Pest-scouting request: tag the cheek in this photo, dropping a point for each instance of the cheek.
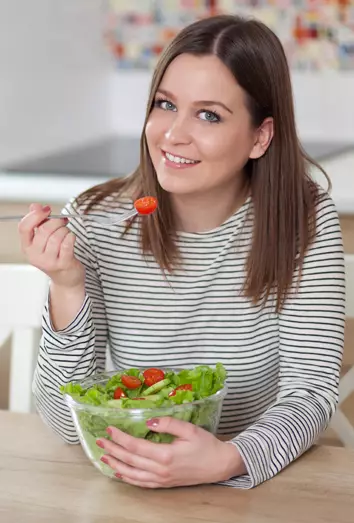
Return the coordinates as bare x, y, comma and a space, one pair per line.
226, 146
157, 125
150, 131
153, 135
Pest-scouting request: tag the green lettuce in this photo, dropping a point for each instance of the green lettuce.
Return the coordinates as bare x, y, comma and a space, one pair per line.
205, 382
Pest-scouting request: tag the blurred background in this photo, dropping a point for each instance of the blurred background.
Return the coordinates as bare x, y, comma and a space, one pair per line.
74, 78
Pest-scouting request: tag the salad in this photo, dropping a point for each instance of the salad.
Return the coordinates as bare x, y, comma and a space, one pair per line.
127, 399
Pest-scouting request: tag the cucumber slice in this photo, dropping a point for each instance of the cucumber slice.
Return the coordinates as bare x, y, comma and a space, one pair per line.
153, 397
156, 387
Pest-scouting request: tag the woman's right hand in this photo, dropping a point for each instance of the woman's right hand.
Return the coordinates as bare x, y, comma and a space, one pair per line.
49, 246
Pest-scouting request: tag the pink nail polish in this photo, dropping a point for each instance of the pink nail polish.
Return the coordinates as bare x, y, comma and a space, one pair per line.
104, 459
46, 208
153, 422
109, 431
117, 475
100, 443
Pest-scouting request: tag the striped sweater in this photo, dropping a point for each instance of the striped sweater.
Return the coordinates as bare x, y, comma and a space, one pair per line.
283, 369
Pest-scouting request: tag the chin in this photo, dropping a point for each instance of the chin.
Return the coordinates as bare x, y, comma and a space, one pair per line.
176, 186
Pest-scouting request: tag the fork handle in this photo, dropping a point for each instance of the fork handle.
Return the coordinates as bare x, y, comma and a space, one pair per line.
51, 216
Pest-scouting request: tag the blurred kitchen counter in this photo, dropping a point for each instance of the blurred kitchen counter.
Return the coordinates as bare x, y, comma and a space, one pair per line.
56, 178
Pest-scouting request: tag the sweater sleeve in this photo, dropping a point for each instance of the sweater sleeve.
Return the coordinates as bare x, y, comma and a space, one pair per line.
77, 351
311, 340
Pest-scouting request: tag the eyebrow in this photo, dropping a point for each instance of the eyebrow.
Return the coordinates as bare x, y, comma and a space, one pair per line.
199, 102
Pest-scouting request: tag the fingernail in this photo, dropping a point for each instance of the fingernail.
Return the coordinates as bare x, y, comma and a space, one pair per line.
109, 431
153, 422
104, 459
100, 443
117, 475
46, 208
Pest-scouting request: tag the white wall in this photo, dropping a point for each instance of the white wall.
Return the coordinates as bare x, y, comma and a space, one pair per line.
128, 92
324, 104
60, 88
54, 75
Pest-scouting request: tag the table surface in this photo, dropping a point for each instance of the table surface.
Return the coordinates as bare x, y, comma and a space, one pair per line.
44, 480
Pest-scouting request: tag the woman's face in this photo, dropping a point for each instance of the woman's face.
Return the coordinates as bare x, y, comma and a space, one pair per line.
199, 132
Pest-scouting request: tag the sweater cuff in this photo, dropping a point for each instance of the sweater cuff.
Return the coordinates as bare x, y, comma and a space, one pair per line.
252, 457
75, 328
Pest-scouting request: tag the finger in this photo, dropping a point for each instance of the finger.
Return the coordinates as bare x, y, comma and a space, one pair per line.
54, 243
160, 452
175, 427
32, 220
36, 207
66, 254
45, 231
141, 484
129, 474
128, 458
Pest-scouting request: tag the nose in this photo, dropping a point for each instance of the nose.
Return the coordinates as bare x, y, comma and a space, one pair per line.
178, 132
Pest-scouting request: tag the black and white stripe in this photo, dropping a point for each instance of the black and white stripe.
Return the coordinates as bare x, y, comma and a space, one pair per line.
283, 369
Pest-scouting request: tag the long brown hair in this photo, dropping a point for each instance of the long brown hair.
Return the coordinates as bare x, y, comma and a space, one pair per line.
283, 194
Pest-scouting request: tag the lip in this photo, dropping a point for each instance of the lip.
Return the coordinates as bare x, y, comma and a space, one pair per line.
174, 165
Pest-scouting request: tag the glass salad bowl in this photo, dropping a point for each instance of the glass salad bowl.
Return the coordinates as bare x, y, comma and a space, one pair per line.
126, 399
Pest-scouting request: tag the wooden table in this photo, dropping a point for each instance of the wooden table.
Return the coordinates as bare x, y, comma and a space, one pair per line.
43, 480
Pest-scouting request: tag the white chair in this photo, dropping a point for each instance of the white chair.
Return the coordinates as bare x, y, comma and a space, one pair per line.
23, 291
340, 423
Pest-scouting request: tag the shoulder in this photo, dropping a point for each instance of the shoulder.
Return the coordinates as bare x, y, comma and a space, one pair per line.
326, 212
327, 242
325, 208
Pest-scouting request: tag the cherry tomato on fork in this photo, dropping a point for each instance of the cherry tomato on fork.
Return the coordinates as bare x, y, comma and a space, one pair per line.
152, 376
146, 205
187, 386
131, 382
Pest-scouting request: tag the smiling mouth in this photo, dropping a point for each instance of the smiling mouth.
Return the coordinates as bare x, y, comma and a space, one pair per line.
178, 160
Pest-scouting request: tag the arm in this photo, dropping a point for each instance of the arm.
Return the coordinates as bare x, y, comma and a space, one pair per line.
311, 339
76, 351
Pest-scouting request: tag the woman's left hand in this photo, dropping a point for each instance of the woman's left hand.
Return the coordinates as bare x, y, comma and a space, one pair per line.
193, 458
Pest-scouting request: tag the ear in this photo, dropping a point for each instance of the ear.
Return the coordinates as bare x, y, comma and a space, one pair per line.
264, 136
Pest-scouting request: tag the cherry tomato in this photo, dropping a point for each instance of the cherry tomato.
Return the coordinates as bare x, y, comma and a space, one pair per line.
119, 393
131, 382
187, 386
153, 376
146, 205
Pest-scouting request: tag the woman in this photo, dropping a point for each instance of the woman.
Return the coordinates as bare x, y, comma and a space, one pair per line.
242, 263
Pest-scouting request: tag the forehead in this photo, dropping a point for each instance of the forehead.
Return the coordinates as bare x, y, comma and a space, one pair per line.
201, 78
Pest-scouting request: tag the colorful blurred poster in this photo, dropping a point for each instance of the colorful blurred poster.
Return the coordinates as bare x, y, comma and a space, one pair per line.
316, 34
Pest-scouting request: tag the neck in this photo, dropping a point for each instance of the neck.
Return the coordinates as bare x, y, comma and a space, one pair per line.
206, 211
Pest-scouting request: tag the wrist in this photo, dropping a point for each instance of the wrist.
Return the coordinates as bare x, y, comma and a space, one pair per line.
67, 291
64, 304
232, 463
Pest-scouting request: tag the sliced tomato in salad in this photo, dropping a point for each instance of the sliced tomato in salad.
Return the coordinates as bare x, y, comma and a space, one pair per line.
119, 393
187, 386
131, 382
152, 376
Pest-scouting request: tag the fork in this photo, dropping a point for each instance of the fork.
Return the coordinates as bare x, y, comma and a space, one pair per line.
103, 220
